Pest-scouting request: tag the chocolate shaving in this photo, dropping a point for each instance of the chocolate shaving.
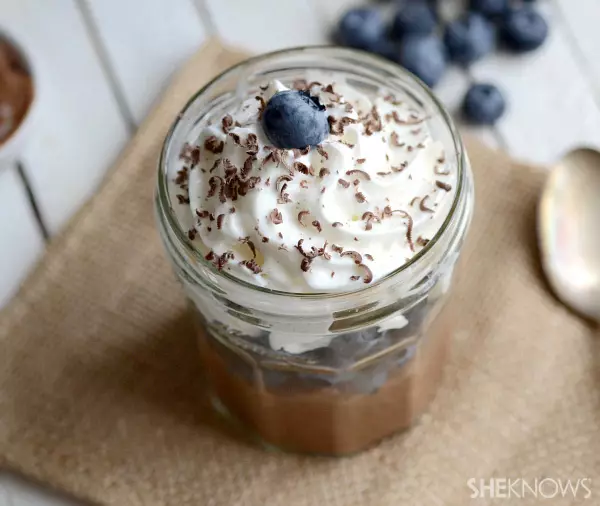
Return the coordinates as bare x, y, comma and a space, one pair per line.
232, 210
324, 172
236, 138
190, 154
329, 88
227, 123
384, 173
300, 167
247, 168
305, 264
422, 241
369, 257
344, 183
372, 122
304, 183
357, 171
416, 131
410, 149
182, 199
360, 197
415, 120
284, 177
261, 107
423, 207
192, 233
251, 144
395, 138
360, 161
322, 152
220, 220
301, 215
182, 176
421, 145
356, 256
280, 234
368, 276
247, 241
443, 186
336, 224
337, 249
317, 225
336, 126
370, 217
202, 214
219, 262
252, 266
216, 165
356, 182
230, 170
403, 166
276, 217
354, 278
412, 202
409, 227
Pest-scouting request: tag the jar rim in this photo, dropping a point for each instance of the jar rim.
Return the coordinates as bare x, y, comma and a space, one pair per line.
164, 201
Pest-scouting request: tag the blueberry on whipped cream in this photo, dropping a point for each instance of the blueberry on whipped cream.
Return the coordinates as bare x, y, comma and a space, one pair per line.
324, 187
294, 119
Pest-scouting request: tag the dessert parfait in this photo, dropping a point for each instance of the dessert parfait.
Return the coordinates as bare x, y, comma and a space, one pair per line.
313, 203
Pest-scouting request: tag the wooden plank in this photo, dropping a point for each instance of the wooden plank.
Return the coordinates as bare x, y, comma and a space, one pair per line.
552, 108
267, 25
79, 129
21, 239
145, 42
581, 21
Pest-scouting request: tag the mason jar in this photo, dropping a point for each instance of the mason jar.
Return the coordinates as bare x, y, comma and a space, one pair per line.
368, 361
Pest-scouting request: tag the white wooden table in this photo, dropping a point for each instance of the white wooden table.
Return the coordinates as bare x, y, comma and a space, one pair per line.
104, 62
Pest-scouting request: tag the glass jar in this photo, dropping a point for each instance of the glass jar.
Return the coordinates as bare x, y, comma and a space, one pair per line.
373, 356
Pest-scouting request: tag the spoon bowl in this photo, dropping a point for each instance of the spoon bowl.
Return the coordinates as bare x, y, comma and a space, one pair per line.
569, 231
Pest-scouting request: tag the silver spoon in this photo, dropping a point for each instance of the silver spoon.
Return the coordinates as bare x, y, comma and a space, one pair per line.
569, 231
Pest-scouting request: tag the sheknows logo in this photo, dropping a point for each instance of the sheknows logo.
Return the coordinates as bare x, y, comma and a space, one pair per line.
519, 488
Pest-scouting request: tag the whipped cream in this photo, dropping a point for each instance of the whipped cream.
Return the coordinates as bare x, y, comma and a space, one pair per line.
336, 217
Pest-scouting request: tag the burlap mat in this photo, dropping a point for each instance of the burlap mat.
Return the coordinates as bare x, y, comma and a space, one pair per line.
100, 390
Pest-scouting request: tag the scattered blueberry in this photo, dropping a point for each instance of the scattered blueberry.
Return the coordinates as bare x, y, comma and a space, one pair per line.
385, 48
294, 119
484, 104
524, 29
361, 28
489, 8
424, 56
469, 38
415, 16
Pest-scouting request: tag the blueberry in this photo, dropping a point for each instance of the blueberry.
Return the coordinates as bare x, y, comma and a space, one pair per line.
294, 119
415, 16
385, 48
424, 56
524, 29
484, 104
470, 38
361, 28
489, 8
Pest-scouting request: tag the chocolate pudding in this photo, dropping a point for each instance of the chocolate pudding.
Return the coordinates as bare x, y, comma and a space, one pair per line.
16, 90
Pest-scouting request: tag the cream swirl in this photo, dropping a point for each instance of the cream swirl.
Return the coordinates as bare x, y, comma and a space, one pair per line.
328, 219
